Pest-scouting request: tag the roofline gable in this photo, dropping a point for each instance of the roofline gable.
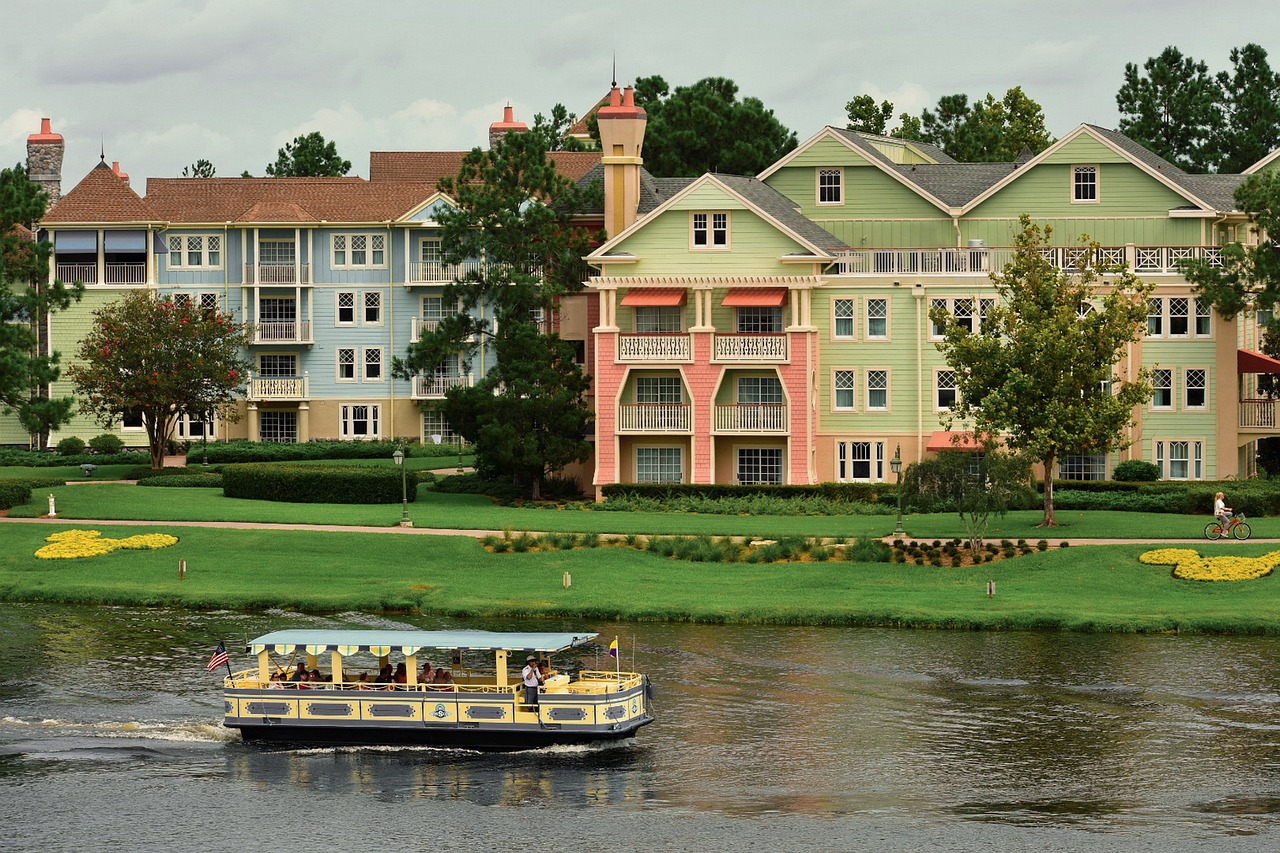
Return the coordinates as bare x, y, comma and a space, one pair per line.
1263, 163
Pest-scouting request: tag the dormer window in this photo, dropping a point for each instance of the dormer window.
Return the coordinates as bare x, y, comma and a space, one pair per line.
1084, 184
830, 186
710, 230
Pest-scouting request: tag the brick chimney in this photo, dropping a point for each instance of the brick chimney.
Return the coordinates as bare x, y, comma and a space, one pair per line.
44, 160
622, 125
120, 173
499, 129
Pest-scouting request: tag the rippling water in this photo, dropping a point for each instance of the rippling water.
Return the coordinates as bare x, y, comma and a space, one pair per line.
767, 739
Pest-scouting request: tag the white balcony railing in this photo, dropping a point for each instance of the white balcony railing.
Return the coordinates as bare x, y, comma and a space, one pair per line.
126, 274
279, 388
419, 326
277, 273
436, 271
752, 417
1165, 259
1258, 414
749, 347
426, 387
655, 347
982, 260
654, 417
87, 273
289, 332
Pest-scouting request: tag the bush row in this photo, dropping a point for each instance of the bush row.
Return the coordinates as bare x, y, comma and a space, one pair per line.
255, 451
17, 491
184, 481
44, 459
146, 472
314, 484
838, 492
750, 504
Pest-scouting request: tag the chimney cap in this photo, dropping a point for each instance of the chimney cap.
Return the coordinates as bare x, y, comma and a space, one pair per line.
508, 122
46, 134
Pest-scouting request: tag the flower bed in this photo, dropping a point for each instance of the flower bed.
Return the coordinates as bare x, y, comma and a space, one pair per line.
1188, 564
73, 544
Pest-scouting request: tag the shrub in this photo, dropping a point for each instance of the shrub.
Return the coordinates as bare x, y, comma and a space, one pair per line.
71, 446
106, 443
14, 493
144, 472
1136, 471
184, 481
314, 484
869, 549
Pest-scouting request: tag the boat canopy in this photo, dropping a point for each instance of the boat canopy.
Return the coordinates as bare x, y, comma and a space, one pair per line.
348, 642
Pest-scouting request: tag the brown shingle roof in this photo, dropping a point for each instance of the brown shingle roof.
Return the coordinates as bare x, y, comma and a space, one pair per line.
430, 166
101, 197
285, 200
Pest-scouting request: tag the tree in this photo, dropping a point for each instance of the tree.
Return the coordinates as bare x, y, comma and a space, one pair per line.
705, 128
1040, 372
151, 356
988, 131
1251, 110
867, 116
27, 298
1249, 275
555, 130
199, 169
976, 485
528, 415
309, 156
1171, 106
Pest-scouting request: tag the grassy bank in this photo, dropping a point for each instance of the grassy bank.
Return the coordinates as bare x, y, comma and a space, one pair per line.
1093, 588
432, 509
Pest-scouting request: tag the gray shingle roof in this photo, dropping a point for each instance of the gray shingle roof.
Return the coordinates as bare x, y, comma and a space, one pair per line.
781, 209
653, 191
955, 184
1218, 190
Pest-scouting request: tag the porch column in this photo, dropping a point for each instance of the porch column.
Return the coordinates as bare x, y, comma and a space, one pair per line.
304, 422
253, 421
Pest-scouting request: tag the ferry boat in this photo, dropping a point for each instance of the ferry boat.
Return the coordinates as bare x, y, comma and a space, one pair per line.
482, 708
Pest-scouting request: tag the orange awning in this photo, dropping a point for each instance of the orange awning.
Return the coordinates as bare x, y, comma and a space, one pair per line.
650, 296
755, 297
943, 440
1249, 361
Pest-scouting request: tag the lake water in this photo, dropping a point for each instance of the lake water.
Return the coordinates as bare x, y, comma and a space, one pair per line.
805, 739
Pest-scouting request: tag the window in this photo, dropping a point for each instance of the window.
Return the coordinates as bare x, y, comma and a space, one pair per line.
760, 466
845, 385
759, 320
830, 186
1178, 317
878, 390
196, 427
842, 318
373, 364
877, 319
277, 310
1084, 183
131, 419
356, 251
1197, 385
710, 230
1204, 319
208, 302
1162, 388
373, 308
659, 389
659, 318
945, 381
1155, 317
967, 312
859, 461
1083, 466
360, 420
189, 251
1179, 320
280, 427
277, 366
759, 389
1179, 460
275, 253
346, 308
659, 465
346, 364
436, 308
435, 423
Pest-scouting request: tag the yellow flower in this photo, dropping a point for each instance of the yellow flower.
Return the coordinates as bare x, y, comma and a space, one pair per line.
72, 544
1189, 565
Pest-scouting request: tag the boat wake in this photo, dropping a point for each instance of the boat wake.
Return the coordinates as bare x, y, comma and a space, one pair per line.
186, 731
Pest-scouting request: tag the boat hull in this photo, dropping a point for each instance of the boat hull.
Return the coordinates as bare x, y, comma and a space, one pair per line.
511, 738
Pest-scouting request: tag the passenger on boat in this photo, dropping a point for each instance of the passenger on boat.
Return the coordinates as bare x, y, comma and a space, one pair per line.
277, 681
362, 683
427, 673
316, 682
544, 671
443, 680
304, 681
532, 678
299, 672
401, 676
385, 677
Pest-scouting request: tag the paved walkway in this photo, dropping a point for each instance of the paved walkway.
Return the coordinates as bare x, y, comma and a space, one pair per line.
476, 534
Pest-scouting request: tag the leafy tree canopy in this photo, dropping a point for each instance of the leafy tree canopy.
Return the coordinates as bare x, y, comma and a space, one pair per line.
555, 128
1171, 106
868, 116
1249, 277
1041, 371
26, 300
199, 169
162, 360
1251, 108
528, 415
309, 156
706, 128
977, 486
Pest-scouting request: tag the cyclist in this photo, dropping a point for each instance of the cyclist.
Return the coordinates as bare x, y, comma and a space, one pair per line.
1221, 510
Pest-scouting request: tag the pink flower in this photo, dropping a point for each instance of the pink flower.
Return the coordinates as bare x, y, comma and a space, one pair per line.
106, 351
233, 374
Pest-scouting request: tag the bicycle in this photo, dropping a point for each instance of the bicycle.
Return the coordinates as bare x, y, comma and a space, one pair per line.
1237, 527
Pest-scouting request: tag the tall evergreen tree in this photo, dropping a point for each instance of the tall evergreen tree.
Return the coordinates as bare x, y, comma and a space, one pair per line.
1251, 107
867, 116
1172, 106
985, 131
309, 156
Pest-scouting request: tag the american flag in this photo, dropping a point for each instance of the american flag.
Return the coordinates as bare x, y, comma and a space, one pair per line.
219, 657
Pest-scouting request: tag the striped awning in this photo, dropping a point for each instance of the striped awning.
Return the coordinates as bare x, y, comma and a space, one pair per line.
943, 440
383, 643
655, 296
755, 297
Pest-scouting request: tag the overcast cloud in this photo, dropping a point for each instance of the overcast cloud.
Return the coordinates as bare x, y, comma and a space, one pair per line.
159, 84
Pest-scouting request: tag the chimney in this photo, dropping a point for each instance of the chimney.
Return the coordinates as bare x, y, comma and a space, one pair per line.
622, 125
120, 173
44, 160
499, 129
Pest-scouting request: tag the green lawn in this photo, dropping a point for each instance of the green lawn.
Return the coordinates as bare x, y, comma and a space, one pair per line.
433, 509
1082, 588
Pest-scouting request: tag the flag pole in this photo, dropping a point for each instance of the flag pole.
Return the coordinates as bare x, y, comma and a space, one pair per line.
228, 662
617, 661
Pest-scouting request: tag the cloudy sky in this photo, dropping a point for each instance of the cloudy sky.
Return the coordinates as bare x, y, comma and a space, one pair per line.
161, 83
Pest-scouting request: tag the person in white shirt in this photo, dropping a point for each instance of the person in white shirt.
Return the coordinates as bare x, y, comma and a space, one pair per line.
1220, 509
532, 677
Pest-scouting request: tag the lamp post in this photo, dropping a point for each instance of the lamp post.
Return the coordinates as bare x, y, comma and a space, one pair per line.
404, 489
895, 465
204, 438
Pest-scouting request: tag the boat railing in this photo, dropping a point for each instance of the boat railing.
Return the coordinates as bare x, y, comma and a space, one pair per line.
588, 681
607, 679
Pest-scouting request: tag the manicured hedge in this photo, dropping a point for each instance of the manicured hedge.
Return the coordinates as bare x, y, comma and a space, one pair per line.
851, 492
267, 451
184, 481
45, 459
314, 484
14, 493
145, 472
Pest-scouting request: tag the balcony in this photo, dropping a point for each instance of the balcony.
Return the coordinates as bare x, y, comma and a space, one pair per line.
112, 273
752, 418
277, 274
1165, 259
278, 388
434, 386
288, 332
654, 417
983, 260
655, 347
1258, 416
750, 347
436, 272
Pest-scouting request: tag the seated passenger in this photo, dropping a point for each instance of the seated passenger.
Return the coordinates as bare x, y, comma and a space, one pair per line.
443, 680
303, 681
277, 681
385, 676
401, 676
317, 683
299, 672
362, 683
427, 673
